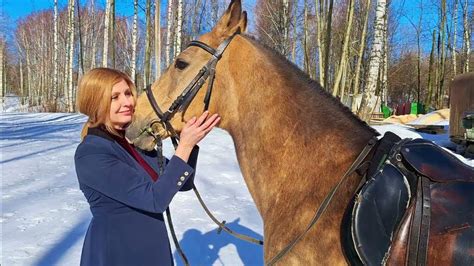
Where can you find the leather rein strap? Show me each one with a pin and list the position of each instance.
(322, 208)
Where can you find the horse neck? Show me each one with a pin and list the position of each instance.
(288, 141)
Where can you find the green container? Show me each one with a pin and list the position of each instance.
(417, 108)
(386, 111)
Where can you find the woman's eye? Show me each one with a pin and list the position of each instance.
(180, 64)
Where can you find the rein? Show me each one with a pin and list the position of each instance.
(182, 102)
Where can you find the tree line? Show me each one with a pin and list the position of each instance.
(355, 49)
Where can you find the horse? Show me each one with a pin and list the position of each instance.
(293, 140)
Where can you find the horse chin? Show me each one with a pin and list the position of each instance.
(145, 143)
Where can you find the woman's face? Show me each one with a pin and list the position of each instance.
(121, 106)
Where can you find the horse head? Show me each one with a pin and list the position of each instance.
(181, 73)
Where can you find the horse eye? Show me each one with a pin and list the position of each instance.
(180, 64)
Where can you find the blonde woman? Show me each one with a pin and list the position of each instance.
(121, 184)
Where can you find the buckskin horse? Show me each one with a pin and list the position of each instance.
(303, 156)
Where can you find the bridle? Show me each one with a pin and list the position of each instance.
(188, 94)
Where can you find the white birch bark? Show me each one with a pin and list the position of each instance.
(71, 56)
(179, 28)
(168, 32)
(146, 74)
(134, 41)
(286, 26)
(455, 32)
(2, 80)
(369, 100)
(157, 39)
(105, 52)
(319, 29)
(55, 53)
(467, 36)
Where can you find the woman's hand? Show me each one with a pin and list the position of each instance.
(193, 132)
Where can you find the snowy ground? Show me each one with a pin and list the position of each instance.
(45, 216)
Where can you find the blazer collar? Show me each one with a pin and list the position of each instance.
(100, 132)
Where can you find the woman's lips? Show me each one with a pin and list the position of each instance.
(129, 112)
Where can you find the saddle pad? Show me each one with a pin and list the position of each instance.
(378, 210)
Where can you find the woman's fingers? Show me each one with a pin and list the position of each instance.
(214, 123)
(191, 121)
(208, 122)
(202, 118)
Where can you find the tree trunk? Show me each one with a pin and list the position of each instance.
(383, 75)
(55, 93)
(81, 44)
(147, 70)
(305, 39)
(467, 37)
(168, 33)
(179, 29)
(295, 33)
(214, 11)
(327, 43)
(134, 41)
(345, 49)
(2, 71)
(112, 31)
(369, 99)
(71, 56)
(455, 26)
(319, 30)
(105, 53)
(429, 98)
(157, 40)
(360, 56)
(442, 61)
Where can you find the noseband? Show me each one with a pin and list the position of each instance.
(185, 98)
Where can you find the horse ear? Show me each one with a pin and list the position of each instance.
(232, 21)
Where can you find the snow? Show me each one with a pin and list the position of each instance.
(45, 216)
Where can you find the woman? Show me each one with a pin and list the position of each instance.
(121, 184)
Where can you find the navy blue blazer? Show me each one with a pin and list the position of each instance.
(127, 227)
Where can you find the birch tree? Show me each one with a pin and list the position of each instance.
(55, 54)
(70, 56)
(2, 70)
(467, 36)
(454, 45)
(369, 99)
(134, 41)
(146, 75)
(168, 32)
(107, 22)
(179, 28)
(157, 40)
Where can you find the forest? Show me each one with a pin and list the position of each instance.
(367, 53)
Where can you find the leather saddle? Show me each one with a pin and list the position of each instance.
(417, 196)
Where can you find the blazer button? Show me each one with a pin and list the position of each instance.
(186, 173)
(182, 178)
(179, 183)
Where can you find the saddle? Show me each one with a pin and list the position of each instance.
(418, 200)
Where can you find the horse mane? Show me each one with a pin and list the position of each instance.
(315, 87)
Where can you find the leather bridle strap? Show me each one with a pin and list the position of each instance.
(322, 208)
(188, 94)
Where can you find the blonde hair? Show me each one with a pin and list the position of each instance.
(94, 96)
